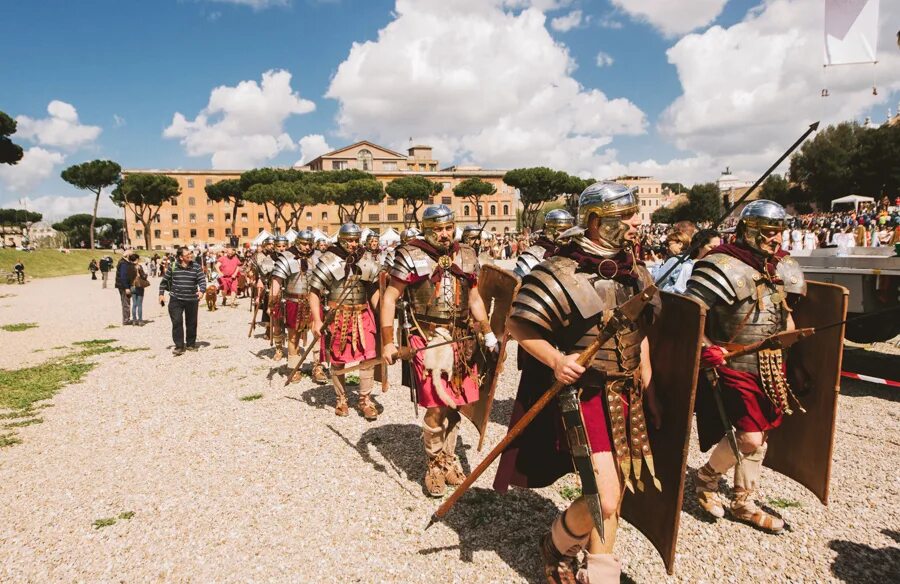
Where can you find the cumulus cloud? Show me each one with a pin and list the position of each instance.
(673, 18)
(311, 147)
(56, 207)
(36, 165)
(754, 116)
(479, 82)
(604, 59)
(242, 126)
(255, 4)
(61, 129)
(566, 22)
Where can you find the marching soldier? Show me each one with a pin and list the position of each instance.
(346, 280)
(748, 288)
(555, 222)
(264, 264)
(291, 274)
(276, 306)
(470, 236)
(557, 312)
(436, 277)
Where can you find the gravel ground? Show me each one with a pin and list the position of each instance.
(279, 489)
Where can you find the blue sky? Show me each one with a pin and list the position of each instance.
(595, 87)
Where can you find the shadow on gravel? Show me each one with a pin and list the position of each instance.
(690, 504)
(320, 397)
(393, 442)
(857, 562)
(501, 410)
(508, 525)
(853, 388)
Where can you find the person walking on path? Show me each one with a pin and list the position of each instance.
(105, 266)
(186, 284)
(137, 291)
(125, 274)
(19, 268)
(229, 266)
(93, 267)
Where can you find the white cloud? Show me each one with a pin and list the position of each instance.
(118, 121)
(36, 165)
(777, 49)
(242, 126)
(604, 59)
(62, 129)
(609, 22)
(567, 22)
(255, 4)
(479, 83)
(56, 207)
(673, 18)
(311, 147)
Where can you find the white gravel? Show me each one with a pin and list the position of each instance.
(281, 490)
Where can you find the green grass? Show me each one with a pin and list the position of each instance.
(49, 263)
(251, 397)
(351, 379)
(23, 423)
(779, 503)
(126, 515)
(569, 493)
(9, 440)
(18, 327)
(94, 342)
(106, 522)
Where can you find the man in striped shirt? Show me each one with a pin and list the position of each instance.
(186, 284)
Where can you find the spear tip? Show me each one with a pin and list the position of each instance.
(814, 126)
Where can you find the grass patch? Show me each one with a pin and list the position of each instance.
(48, 263)
(23, 423)
(351, 379)
(106, 522)
(9, 440)
(220, 347)
(133, 349)
(6, 295)
(251, 397)
(112, 326)
(126, 515)
(779, 503)
(94, 342)
(18, 327)
(569, 492)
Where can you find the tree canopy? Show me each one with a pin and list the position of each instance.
(10, 153)
(143, 194)
(93, 176)
(474, 189)
(704, 204)
(18, 217)
(414, 191)
(539, 185)
(229, 190)
(355, 195)
(76, 228)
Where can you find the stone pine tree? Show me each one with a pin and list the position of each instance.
(538, 185)
(10, 153)
(230, 191)
(474, 189)
(93, 176)
(414, 191)
(143, 195)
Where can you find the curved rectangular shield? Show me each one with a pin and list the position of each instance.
(381, 371)
(675, 356)
(801, 448)
(497, 288)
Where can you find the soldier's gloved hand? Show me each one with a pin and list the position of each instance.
(491, 343)
(712, 356)
(389, 353)
(566, 368)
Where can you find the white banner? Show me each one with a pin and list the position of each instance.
(851, 31)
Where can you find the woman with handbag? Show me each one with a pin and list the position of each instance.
(137, 293)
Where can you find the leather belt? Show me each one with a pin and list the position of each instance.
(290, 296)
(333, 304)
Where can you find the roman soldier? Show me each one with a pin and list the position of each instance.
(555, 222)
(436, 280)
(264, 263)
(471, 235)
(276, 305)
(346, 280)
(748, 288)
(557, 313)
(407, 234)
(291, 274)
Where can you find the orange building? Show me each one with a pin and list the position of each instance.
(195, 220)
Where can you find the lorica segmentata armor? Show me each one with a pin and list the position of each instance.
(331, 278)
(435, 301)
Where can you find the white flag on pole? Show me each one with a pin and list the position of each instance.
(851, 31)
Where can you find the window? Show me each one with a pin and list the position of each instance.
(259, 216)
(174, 201)
(324, 215)
(227, 231)
(374, 217)
(466, 210)
(391, 201)
(364, 160)
(193, 234)
(493, 210)
(480, 210)
(260, 230)
(174, 217)
(506, 209)
(175, 233)
(190, 183)
(156, 218)
(210, 218)
(243, 217)
(309, 215)
(208, 181)
(432, 167)
(192, 201)
(139, 233)
(245, 232)
(390, 166)
(193, 217)
(447, 200)
(338, 165)
(227, 216)
(157, 233)
(393, 217)
(210, 233)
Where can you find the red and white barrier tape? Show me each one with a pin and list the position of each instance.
(870, 379)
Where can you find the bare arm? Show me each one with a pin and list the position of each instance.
(386, 318)
(315, 309)
(565, 368)
(476, 306)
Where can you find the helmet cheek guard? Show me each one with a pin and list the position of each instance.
(613, 203)
(434, 216)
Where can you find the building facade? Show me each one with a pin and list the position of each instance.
(649, 191)
(192, 219)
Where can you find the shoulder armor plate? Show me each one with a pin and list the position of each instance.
(790, 273)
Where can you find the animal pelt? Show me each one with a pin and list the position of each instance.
(212, 293)
(438, 361)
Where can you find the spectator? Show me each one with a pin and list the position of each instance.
(93, 267)
(137, 291)
(186, 284)
(676, 242)
(125, 273)
(20, 272)
(105, 267)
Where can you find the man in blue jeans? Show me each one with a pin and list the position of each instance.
(186, 284)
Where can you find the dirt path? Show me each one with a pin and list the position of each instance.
(279, 489)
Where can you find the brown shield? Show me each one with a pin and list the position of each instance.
(802, 446)
(497, 288)
(675, 355)
(381, 371)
